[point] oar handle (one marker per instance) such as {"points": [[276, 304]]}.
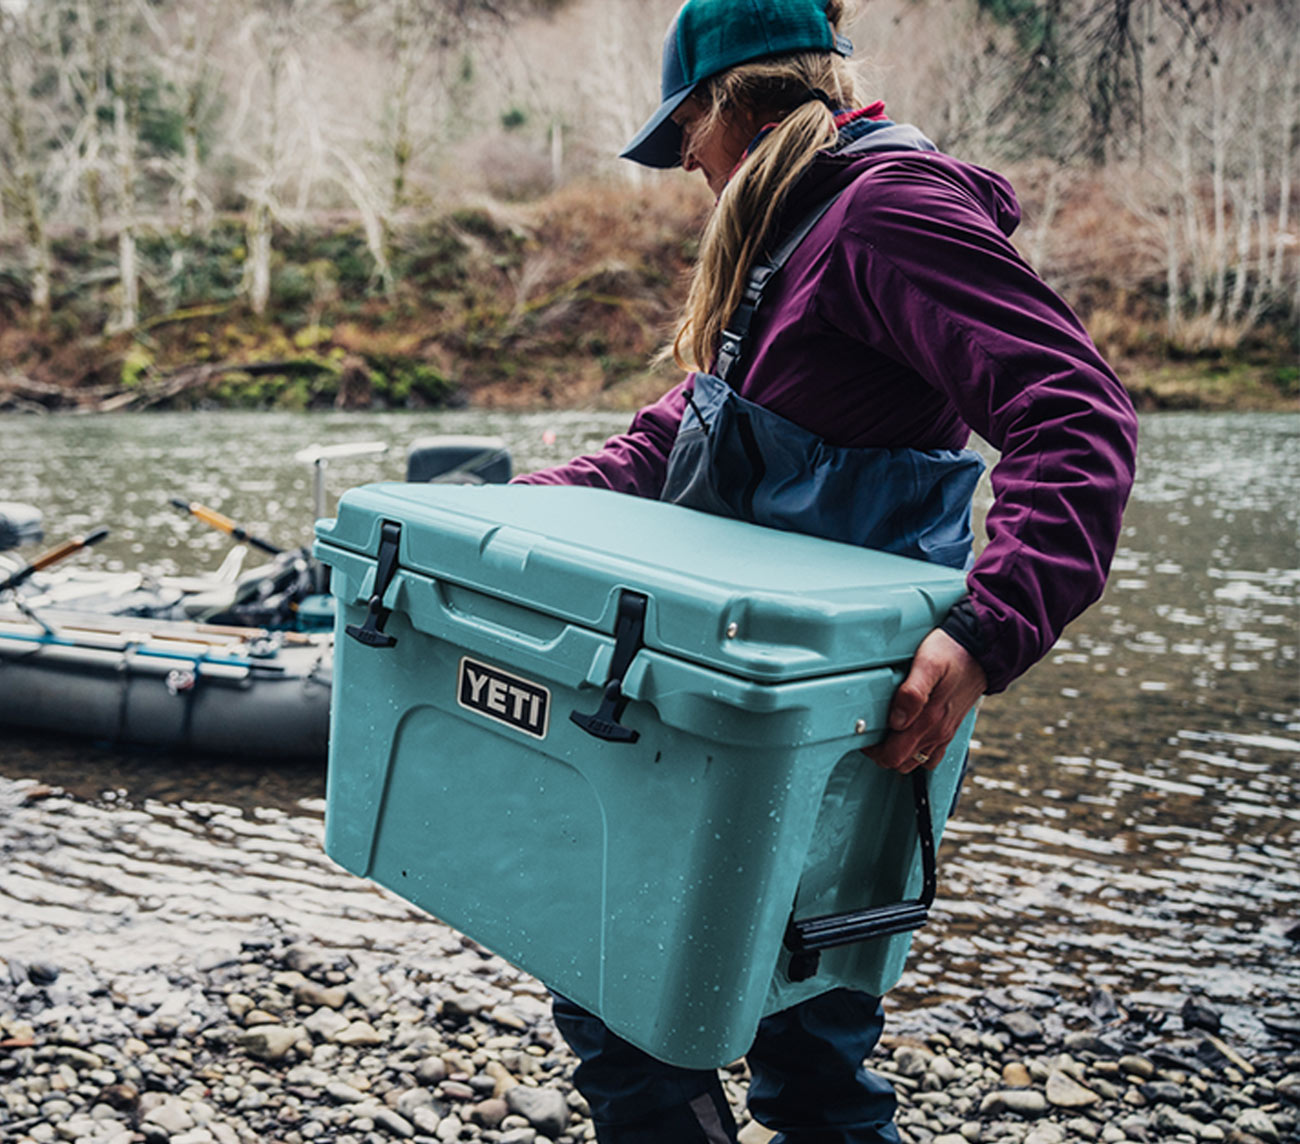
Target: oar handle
{"points": [[221, 523], [53, 556]]}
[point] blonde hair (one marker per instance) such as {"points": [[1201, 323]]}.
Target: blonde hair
{"points": [[781, 88]]}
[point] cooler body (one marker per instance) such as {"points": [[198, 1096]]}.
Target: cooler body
{"points": [[645, 859]]}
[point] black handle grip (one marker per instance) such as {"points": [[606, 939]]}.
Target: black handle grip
{"points": [[805, 938]]}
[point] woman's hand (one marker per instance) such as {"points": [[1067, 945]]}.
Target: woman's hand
{"points": [[942, 686]]}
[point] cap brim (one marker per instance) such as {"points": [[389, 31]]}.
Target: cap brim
{"points": [[659, 142]]}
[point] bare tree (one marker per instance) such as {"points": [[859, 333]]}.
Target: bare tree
{"points": [[269, 37], [22, 183], [122, 38]]}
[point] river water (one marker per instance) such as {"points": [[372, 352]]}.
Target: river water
{"points": [[1132, 819]]}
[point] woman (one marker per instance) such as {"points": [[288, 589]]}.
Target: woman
{"points": [[860, 310]]}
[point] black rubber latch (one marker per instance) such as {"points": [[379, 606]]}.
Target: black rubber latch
{"points": [[629, 635], [372, 633]]}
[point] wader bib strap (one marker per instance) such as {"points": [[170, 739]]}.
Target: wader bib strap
{"points": [[732, 342]]}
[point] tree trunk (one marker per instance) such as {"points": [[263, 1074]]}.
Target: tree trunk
{"points": [[24, 177], [1285, 135], [1219, 162], [557, 152], [124, 136], [258, 278], [1173, 278], [259, 256]]}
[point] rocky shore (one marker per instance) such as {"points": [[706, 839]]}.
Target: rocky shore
{"points": [[283, 1041]]}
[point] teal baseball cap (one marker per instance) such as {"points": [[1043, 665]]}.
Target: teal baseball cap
{"points": [[710, 36]]}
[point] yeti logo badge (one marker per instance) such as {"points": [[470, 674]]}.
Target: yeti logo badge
{"points": [[506, 698]]}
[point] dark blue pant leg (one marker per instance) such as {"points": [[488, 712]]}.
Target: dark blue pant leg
{"points": [[636, 1099], [809, 1084]]}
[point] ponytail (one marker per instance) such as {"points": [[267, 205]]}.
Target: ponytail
{"points": [[797, 91]]}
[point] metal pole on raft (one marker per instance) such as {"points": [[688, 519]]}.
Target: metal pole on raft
{"points": [[318, 456]]}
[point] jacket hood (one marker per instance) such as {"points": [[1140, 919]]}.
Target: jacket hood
{"points": [[901, 143]]}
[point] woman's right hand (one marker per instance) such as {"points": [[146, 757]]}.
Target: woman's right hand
{"points": [[944, 682]]}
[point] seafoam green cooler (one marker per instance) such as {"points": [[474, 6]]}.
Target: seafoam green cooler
{"points": [[618, 743]]}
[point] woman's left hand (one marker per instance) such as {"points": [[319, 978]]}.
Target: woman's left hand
{"points": [[942, 686]]}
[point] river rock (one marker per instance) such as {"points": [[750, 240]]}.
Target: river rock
{"points": [[489, 1113], [1015, 1075], [1170, 1121], [42, 973], [1256, 1122], [171, 1115], [270, 1042], [1088, 1043], [1216, 1053], [426, 1120], [1021, 1026], [1024, 1102], [318, 996], [1134, 1065], [394, 1124], [359, 1033], [261, 1017], [1163, 1092], [450, 1128], [1066, 1092], [1288, 1088], [1048, 1133], [431, 1070], [326, 1024], [1199, 1014], [912, 1061], [307, 960], [543, 1108]]}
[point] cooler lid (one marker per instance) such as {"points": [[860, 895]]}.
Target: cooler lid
{"points": [[755, 602]]}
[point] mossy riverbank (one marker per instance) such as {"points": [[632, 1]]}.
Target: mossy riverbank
{"points": [[558, 304]]}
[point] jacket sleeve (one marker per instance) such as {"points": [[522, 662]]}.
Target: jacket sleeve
{"points": [[932, 282], [634, 462]]}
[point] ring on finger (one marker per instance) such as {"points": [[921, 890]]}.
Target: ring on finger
{"points": [[921, 757]]}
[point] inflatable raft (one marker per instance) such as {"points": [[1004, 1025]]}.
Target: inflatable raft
{"points": [[183, 686]]}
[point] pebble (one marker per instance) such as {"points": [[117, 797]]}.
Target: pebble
{"points": [[394, 1124], [1024, 1102], [1066, 1092], [1015, 1075], [1256, 1122], [544, 1108], [1021, 1026]]}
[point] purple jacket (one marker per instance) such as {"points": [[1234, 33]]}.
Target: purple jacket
{"points": [[906, 318]]}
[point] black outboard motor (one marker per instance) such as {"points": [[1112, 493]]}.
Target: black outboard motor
{"points": [[19, 524], [459, 460]]}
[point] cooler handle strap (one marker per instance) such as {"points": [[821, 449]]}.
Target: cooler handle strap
{"points": [[806, 938]]}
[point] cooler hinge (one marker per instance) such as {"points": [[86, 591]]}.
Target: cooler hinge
{"points": [[629, 635], [372, 632]]}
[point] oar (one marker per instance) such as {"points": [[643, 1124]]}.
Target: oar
{"points": [[225, 524], [53, 556]]}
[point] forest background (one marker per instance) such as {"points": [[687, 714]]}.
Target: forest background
{"points": [[303, 203]]}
